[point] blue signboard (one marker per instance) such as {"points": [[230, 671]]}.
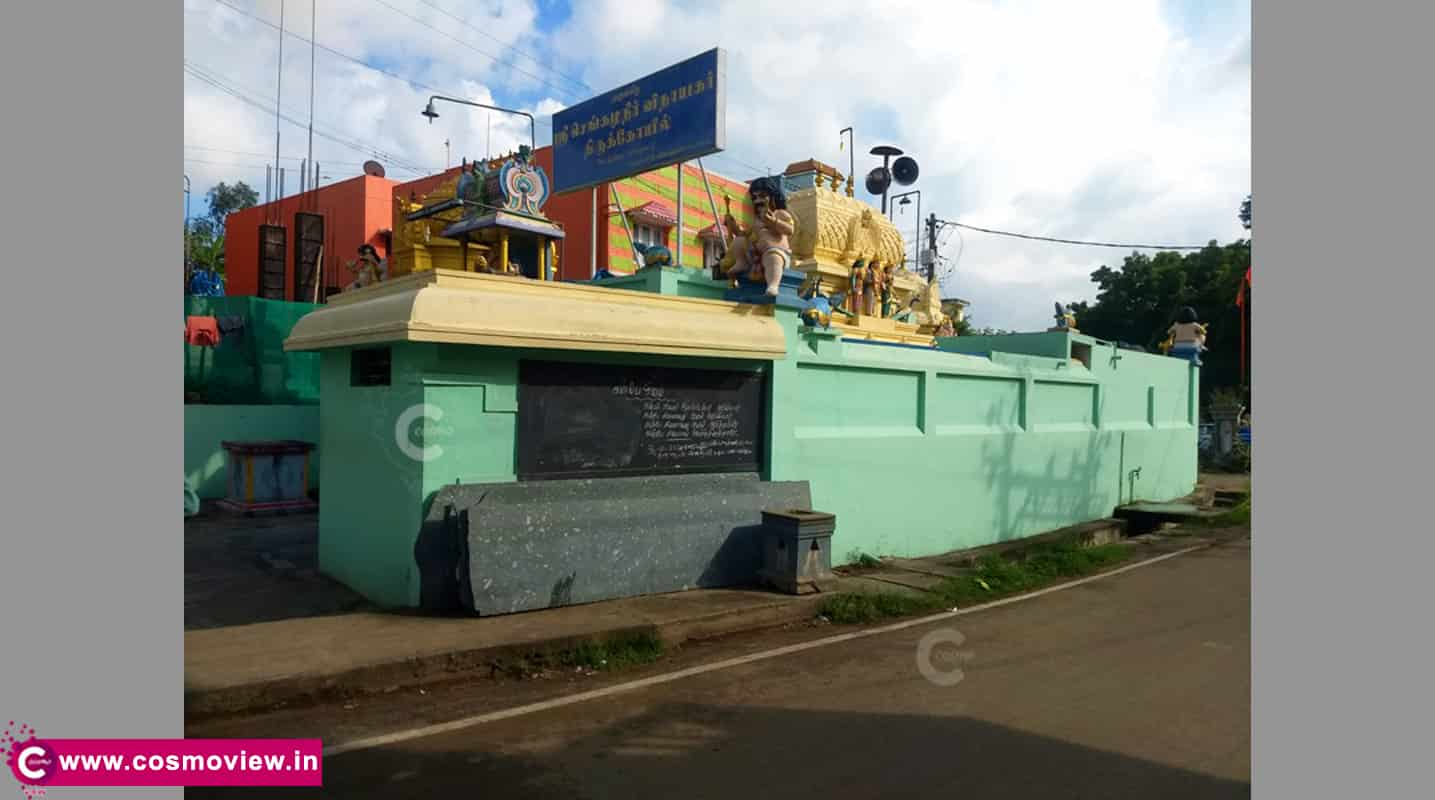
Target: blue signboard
{"points": [[673, 115]]}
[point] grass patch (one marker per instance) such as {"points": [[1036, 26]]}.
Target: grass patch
{"points": [[621, 652], [1239, 515], [990, 578], [858, 608], [856, 559], [618, 653]]}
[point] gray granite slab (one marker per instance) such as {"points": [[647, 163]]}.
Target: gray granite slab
{"points": [[505, 547]]}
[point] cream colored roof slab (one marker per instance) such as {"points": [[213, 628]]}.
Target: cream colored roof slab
{"points": [[505, 311]]}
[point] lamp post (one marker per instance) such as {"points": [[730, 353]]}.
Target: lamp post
{"points": [[186, 227], [917, 242], [851, 157], [433, 115]]}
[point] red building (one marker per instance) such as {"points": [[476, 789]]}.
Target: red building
{"points": [[344, 215]]}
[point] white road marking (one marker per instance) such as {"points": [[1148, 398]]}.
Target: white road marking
{"points": [[426, 731]]}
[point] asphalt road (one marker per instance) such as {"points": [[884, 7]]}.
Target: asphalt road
{"points": [[1133, 686]]}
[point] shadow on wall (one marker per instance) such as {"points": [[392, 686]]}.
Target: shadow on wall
{"points": [[441, 554], [1063, 489], [721, 751]]}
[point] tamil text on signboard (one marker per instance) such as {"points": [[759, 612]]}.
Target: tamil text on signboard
{"points": [[673, 115]]}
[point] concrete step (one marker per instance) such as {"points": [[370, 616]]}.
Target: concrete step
{"points": [[1142, 518], [1228, 499]]}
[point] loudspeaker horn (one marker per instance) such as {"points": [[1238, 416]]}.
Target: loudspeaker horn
{"points": [[879, 180], [904, 170]]}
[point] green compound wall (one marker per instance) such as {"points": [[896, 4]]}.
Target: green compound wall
{"points": [[251, 368], [917, 451]]}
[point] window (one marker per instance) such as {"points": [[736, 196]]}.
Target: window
{"points": [[647, 234], [370, 367], [712, 252]]}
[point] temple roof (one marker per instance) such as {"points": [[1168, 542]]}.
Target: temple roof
{"points": [[811, 165], [710, 232]]}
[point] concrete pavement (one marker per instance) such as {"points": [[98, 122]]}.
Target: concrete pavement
{"points": [[264, 628], [1137, 685]]}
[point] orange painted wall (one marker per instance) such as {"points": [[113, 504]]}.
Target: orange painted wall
{"points": [[355, 211], [574, 211], [360, 210]]}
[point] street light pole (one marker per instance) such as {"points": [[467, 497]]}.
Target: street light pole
{"points": [[433, 115], [851, 158], [186, 224], [916, 242], [313, 38], [279, 89]]}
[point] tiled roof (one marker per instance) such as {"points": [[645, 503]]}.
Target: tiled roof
{"points": [[655, 213], [710, 232]]}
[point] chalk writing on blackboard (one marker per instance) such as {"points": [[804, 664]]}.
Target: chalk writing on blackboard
{"points": [[586, 419]]}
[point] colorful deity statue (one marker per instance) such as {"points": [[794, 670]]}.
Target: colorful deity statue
{"points": [[1065, 319], [889, 299], [819, 308], [654, 255], [764, 251], [1187, 337], [368, 268], [873, 283], [472, 187], [856, 283]]}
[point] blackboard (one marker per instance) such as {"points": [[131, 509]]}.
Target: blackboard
{"points": [[586, 420]]}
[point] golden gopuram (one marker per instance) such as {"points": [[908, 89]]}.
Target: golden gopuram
{"points": [[847, 248]]}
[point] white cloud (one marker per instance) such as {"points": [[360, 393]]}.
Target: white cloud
{"points": [[1078, 120]]}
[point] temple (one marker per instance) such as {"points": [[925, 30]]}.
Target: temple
{"points": [[496, 441]]}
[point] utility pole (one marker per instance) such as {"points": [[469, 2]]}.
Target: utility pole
{"points": [[279, 93], [313, 39], [931, 247]]}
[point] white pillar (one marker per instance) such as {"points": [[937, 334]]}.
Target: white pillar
{"points": [[678, 251]]}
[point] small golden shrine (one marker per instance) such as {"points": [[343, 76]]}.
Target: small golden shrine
{"points": [[417, 245], [488, 218]]}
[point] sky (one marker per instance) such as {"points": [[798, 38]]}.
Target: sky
{"points": [[1114, 121]]}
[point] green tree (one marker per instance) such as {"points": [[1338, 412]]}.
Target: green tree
{"points": [[206, 245], [1245, 213], [1138, 301], [205, 238], [225, 200]]}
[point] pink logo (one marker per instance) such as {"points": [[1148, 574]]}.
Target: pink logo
{"points": [[31, 761]]}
